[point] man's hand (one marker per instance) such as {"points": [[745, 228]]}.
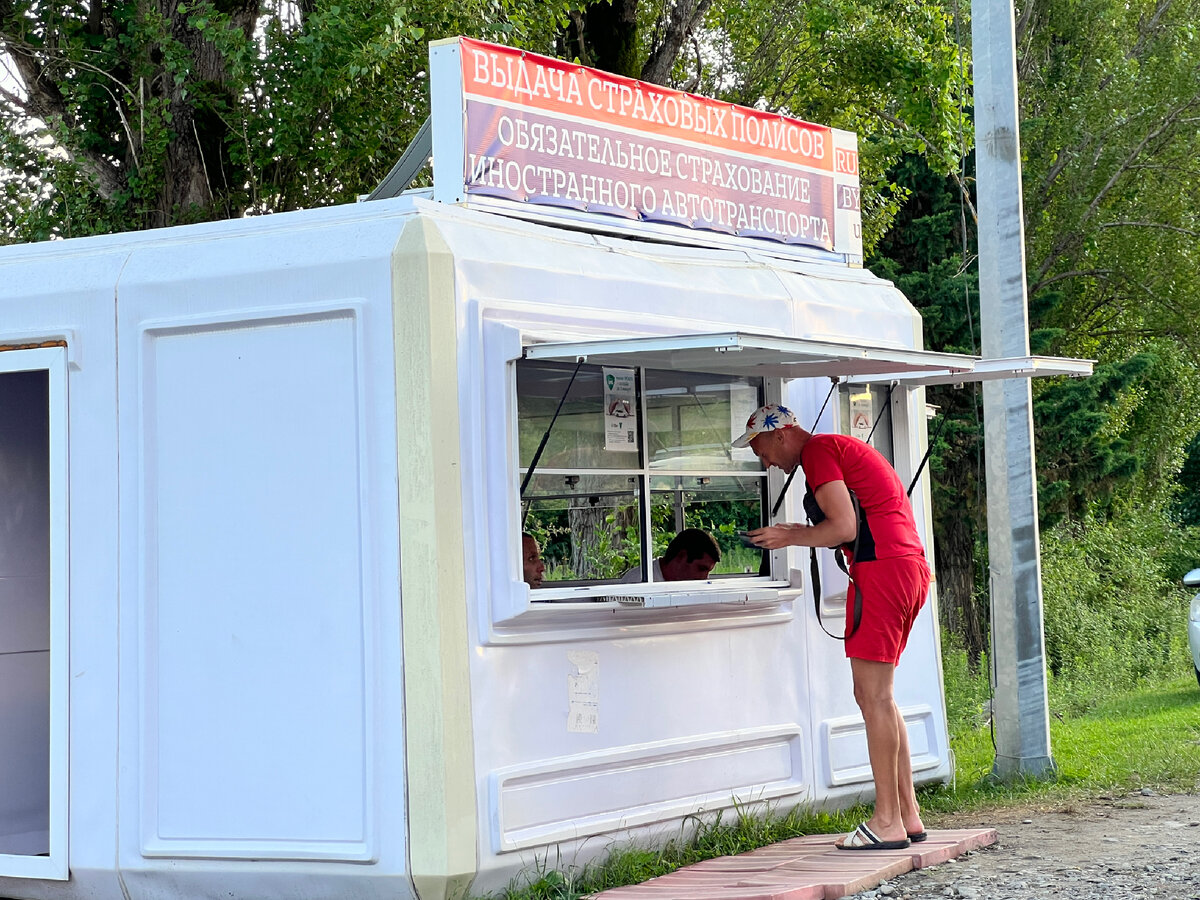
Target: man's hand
{"points": [[838, 527], [775, 536]]}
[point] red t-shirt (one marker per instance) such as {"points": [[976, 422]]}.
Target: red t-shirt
{"points": [[836, 457]]}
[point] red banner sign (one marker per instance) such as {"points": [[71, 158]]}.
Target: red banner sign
{"points": [[538, 130]]}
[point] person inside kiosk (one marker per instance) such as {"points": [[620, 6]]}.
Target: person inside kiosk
{"points": [[691, 556], [890, 575], [532, 565]]}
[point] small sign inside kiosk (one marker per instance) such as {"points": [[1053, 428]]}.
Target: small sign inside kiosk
{"points": [[530, 129]]}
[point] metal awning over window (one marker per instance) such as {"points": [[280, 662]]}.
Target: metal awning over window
{"points": [[754, 355], [992, 370], [768, 356]]}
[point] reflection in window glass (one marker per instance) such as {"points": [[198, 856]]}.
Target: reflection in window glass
{"points": [[691, 418], [721, 506], [588, 526], [25, 654], [867, 413], [577, 439]]}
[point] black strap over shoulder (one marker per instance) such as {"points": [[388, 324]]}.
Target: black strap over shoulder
{"points": [[815, 515]]}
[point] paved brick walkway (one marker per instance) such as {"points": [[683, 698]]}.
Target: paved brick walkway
{"points": [[803, 868]]}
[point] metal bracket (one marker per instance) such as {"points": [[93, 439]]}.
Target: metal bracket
{"points": [[411, 162]]}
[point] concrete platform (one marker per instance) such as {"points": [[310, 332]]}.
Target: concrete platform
{"points": [[803, 868]]}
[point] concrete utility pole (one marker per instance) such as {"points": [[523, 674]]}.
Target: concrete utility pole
{"points": [[1020, 711]]}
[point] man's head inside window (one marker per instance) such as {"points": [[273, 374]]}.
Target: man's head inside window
{"points": [[691, 556], [531, 561]]}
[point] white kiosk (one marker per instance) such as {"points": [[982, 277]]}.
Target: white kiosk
{"points": [[266, 629]]}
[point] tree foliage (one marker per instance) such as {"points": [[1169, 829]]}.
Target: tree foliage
{"points": [[893, 71], [123, 114], [1108, 447], [1109, 98], [1187, 505], [1111, 106], [1111, 137]]}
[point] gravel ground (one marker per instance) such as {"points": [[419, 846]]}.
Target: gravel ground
{"points": [[1116, 848]]}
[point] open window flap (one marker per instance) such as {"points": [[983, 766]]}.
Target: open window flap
{"points": [[988, 370], [753, 355]]}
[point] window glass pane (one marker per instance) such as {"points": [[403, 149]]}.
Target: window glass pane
{"points": [[719, 505], [867, 412], [588, 526], [577, 440], [692, 417]]}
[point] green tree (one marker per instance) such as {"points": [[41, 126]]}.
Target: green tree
{"points": [[1187, 506], [130, 115], [1107, 446], [923, 254], [894, 71], [1109, 95], [1110, 103]]}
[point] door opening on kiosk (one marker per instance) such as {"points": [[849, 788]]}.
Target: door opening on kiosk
{"points": [[32, 606]]}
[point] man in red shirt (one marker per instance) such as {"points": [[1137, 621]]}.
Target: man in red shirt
{"points": [[893, 578]]}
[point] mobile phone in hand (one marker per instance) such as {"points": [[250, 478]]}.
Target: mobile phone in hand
{"points": [[744, 537]]}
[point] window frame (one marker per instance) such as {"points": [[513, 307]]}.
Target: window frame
{"points": [[610, 594], [53, 360]]}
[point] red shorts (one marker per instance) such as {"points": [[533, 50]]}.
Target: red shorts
{"points": [[893, 592]]}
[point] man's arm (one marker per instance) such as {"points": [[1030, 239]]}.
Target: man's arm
{"points": [[839, 527]]}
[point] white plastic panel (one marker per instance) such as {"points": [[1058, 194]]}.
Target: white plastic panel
{"points": [[844, 747], [255, 655], [728, 670], [325, 721], [549, 801]]}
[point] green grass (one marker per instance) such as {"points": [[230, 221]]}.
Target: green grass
{"points": [[1148, 738]]}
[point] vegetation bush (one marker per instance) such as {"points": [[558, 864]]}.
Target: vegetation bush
{"points": [[1115, 613], [968, 687], [1115, 608]]}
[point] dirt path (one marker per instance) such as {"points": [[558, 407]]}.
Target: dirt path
{"points": [[1133, 846]]}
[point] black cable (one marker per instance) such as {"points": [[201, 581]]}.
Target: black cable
{"points": [[887, 404], [925, 458], [537, 455]]}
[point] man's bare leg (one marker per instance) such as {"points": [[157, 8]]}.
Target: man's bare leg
{"points": [[885, 738], [910, 811]]}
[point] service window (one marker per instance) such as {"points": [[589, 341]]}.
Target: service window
{"points": [[635, 456]]}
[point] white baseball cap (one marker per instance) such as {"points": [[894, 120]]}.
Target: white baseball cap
{"points": [[771, 417]]}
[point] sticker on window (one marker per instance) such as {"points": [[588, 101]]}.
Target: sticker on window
{"points": [[620, 410], [861, 415]]}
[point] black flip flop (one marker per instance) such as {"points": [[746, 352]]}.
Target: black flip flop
{"points": [[917, 836], [865, 839]]}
